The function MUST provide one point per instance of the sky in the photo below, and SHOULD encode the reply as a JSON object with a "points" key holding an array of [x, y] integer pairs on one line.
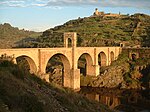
{"points": [[40, 15]]}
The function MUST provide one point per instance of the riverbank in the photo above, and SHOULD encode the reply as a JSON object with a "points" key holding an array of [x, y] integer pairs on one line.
{"points": [[119, 99]]}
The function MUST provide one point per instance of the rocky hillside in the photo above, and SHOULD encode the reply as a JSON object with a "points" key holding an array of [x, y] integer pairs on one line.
{"points": [[24, 92], [133, 30], [123, 73], [12, 36]]}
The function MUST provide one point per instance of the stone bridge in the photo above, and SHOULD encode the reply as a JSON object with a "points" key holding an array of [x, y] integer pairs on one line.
{"points": [[38, 58]]}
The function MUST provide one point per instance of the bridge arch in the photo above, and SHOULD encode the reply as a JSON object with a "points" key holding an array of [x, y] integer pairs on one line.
{"points": [[88, 63], [102, 59], [30, 61], [133, 56], [112, 57], [65, 70]]}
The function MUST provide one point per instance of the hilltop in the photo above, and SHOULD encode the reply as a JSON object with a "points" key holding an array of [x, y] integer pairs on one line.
{"points": [[133, 30], [11, 36]]}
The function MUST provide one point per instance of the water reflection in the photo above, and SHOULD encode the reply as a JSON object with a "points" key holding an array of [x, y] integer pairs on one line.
{"points": [[112, 102], [121, 100]]}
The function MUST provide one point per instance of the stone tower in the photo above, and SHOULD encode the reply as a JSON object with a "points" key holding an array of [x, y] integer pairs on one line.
{"points": [[96, 12]]}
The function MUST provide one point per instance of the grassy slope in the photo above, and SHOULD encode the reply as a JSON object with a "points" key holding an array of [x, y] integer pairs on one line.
{"points": [[97, 31], [22, 92]]}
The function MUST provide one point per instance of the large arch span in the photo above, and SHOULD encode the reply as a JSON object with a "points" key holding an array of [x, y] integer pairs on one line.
{"points": [[102, 59], [62, 60], [31, 64], [112, 57], [85, 63]]}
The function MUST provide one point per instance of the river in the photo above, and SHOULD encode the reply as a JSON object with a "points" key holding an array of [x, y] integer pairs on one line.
{"points": [[121, 100]]}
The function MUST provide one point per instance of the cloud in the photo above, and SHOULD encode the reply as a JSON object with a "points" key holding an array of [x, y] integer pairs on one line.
{"points": [[39, 5], [101, 3], [126, 3], [71, 2], [78, 3], [12, 3], [54, 7], [16, 5]]}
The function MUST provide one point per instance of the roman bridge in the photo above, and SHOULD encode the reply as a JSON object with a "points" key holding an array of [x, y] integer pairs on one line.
{"points": [[38, 58]]}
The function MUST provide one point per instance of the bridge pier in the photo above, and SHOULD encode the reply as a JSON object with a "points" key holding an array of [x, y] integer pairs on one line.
{"points": [[67, 78], [14, 60], [75, 79], [44, 77], [92, 70], [75, 72], [96, 70]]}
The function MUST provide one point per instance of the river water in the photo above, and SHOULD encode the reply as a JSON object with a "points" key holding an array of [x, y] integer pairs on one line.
{"points": [[120, 100]]}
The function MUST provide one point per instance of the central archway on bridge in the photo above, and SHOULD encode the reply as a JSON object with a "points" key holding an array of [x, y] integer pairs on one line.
{"points": [[27, 64], [70, 39], [85, 64], [58, 68], [69, 42], [102, 59]]}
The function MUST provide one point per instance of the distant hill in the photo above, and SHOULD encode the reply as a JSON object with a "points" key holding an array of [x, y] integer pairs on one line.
{"points": [[132, 30], [9, 36]]}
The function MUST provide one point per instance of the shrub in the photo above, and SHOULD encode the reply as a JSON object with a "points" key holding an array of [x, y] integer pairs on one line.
{"points": [[6, 63], [12, 68], [127, 77]]}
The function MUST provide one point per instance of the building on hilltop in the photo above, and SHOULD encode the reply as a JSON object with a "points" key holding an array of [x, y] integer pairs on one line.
{"points": [[102, 14], [97, 13]]}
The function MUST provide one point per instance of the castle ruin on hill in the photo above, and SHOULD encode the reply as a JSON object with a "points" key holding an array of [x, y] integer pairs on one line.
{"points": [[102, 14]]}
